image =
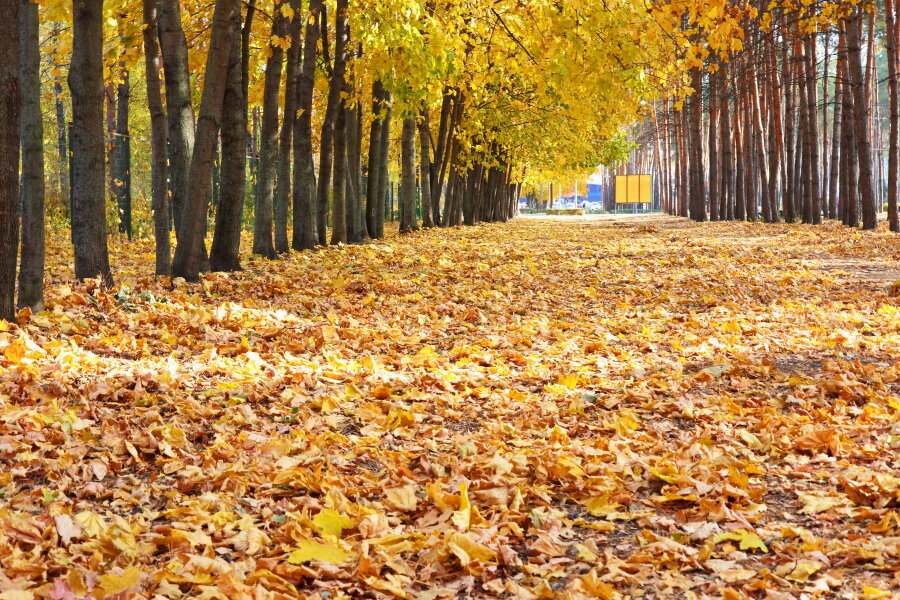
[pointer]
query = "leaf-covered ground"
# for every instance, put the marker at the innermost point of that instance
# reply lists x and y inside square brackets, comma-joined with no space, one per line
[542,409]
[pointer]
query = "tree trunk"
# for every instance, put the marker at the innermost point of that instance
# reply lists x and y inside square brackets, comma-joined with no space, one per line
[814,211]
[31,268]
[263,241]
[286,137]
[121,164]
[333,106]
[159,193]
[713,140]
[698,195]
[191,246]
[860,121]
[10,128]
[384,184]
[88,160]
[224,255]
[892,14]
[62,146]
[408,177]
[425,169]
[179,110]
[374,159]
[305,219]
[339,193]
[356,222]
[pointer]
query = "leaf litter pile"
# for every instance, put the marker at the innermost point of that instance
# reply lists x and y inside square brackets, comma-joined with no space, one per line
[570,409]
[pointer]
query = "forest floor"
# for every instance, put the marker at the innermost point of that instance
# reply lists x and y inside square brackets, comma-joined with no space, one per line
[637,408]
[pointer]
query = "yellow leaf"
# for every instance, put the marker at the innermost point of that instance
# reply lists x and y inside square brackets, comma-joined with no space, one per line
[601,507]
[462,518]
[16,595]
[308,550]
[402,498]
[331,522]
[92,523]
[803,569]
[15,352]
[748,540]
[871,593]
[112,584]
[570,381]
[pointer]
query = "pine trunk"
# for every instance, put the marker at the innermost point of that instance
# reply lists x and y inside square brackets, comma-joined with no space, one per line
[860,121]
[892,14]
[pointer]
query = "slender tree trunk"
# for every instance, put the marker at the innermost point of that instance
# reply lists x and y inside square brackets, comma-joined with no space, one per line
[356,223]
[408,177]
[121,154]
[814,211]
[159,192]
[860,121]
[305,218]
[425,169]
[225,252]
[892,14]
[62,146]
[10,129]
[727,174]
[190,249]
[263,241]
[180,111]
[374,159]
[762,165]
[333,106]
[88,161]
[713,141]
[339,189]
[384,184]
[282,195]
[834,166]
[31,268]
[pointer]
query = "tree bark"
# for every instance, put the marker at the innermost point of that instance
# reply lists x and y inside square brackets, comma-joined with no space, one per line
[373,168]
[282,195]
[305,235]
[10,128]
[121,164]
[159,193]
[356,222]
[332,107]
[88,160]
[860,121]
[224,254]
[408,177]
[425,169]
[892,14]
[31,267]
[179,109]
[191,246]
[263,241]
[384,183]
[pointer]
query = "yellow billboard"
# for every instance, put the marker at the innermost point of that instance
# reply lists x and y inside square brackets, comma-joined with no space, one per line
[634,189]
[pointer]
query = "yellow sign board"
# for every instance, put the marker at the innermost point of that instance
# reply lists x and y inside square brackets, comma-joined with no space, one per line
[634,189]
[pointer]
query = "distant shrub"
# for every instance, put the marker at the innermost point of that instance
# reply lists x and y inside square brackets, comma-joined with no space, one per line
[565,211]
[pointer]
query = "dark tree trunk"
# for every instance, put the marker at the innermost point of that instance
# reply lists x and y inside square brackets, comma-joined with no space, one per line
[263,241]
[179,110]
[892,14]
[88,160]
[408,177]
[224,254]
[333,106]
[282,195]
[305,235]
[374,159]
[860,121]
[834,165]
[697,193]
[31,268]
[339,189]
[814,211]
[713,138]
[159,192]
[191,246]
[425,169]
[10,127]
[62,145]
[121,164]
[384,183]
[356,222]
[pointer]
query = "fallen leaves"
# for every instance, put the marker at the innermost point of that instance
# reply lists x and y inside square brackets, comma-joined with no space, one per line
[595,411]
